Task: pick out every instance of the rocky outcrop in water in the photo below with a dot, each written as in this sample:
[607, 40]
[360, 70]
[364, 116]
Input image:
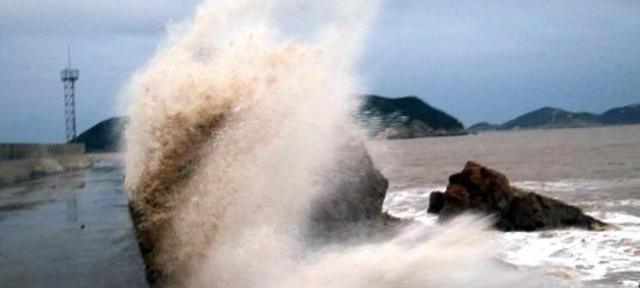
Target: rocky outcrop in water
[354, 199]
[479, 189]
[351, 205]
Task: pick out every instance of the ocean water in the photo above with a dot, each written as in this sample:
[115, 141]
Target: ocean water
[597, 169]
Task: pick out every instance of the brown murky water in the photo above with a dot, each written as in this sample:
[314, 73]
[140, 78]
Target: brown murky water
[605, 153]
[597, 169]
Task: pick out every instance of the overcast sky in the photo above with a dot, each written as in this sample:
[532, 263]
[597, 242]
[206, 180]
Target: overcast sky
[477, 60]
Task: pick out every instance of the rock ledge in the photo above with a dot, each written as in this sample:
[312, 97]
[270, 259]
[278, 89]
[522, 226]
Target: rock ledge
[479, 189]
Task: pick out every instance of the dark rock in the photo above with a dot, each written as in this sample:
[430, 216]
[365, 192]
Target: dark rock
[436, 202]
[480, 189]
[530, 211]
[353, 199]
[356, 191]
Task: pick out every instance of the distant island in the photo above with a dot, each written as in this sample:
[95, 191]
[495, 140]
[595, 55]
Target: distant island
[629, 114]
[405, 117]
[383, 118]
[550, 117]
[105, 136]
[483, 126]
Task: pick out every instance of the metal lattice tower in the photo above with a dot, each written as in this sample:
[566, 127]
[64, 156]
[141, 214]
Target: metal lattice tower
[69, 77]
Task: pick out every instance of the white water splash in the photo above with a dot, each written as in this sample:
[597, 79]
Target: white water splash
[256, 115]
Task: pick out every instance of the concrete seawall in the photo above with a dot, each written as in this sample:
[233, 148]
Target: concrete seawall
[20, 151]
[22, 161]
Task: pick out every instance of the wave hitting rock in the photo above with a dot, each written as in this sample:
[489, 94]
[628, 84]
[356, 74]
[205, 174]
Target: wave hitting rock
[236, 128]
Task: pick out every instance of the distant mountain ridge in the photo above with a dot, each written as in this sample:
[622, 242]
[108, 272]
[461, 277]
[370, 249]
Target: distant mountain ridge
[405, 117]
[483, 126]
[550, 117]
[629, 114]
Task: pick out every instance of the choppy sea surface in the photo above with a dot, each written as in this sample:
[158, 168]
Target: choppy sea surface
[597, 169]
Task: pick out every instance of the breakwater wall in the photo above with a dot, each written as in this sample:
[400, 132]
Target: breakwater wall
[20, 151]
[22, 161]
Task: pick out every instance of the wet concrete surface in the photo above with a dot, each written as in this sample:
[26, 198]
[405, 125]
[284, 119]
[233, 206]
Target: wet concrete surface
[69, 230]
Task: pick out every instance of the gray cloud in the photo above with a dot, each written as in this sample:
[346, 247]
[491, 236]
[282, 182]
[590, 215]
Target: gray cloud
[83, 18]
[479, 60]
[492, 60]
